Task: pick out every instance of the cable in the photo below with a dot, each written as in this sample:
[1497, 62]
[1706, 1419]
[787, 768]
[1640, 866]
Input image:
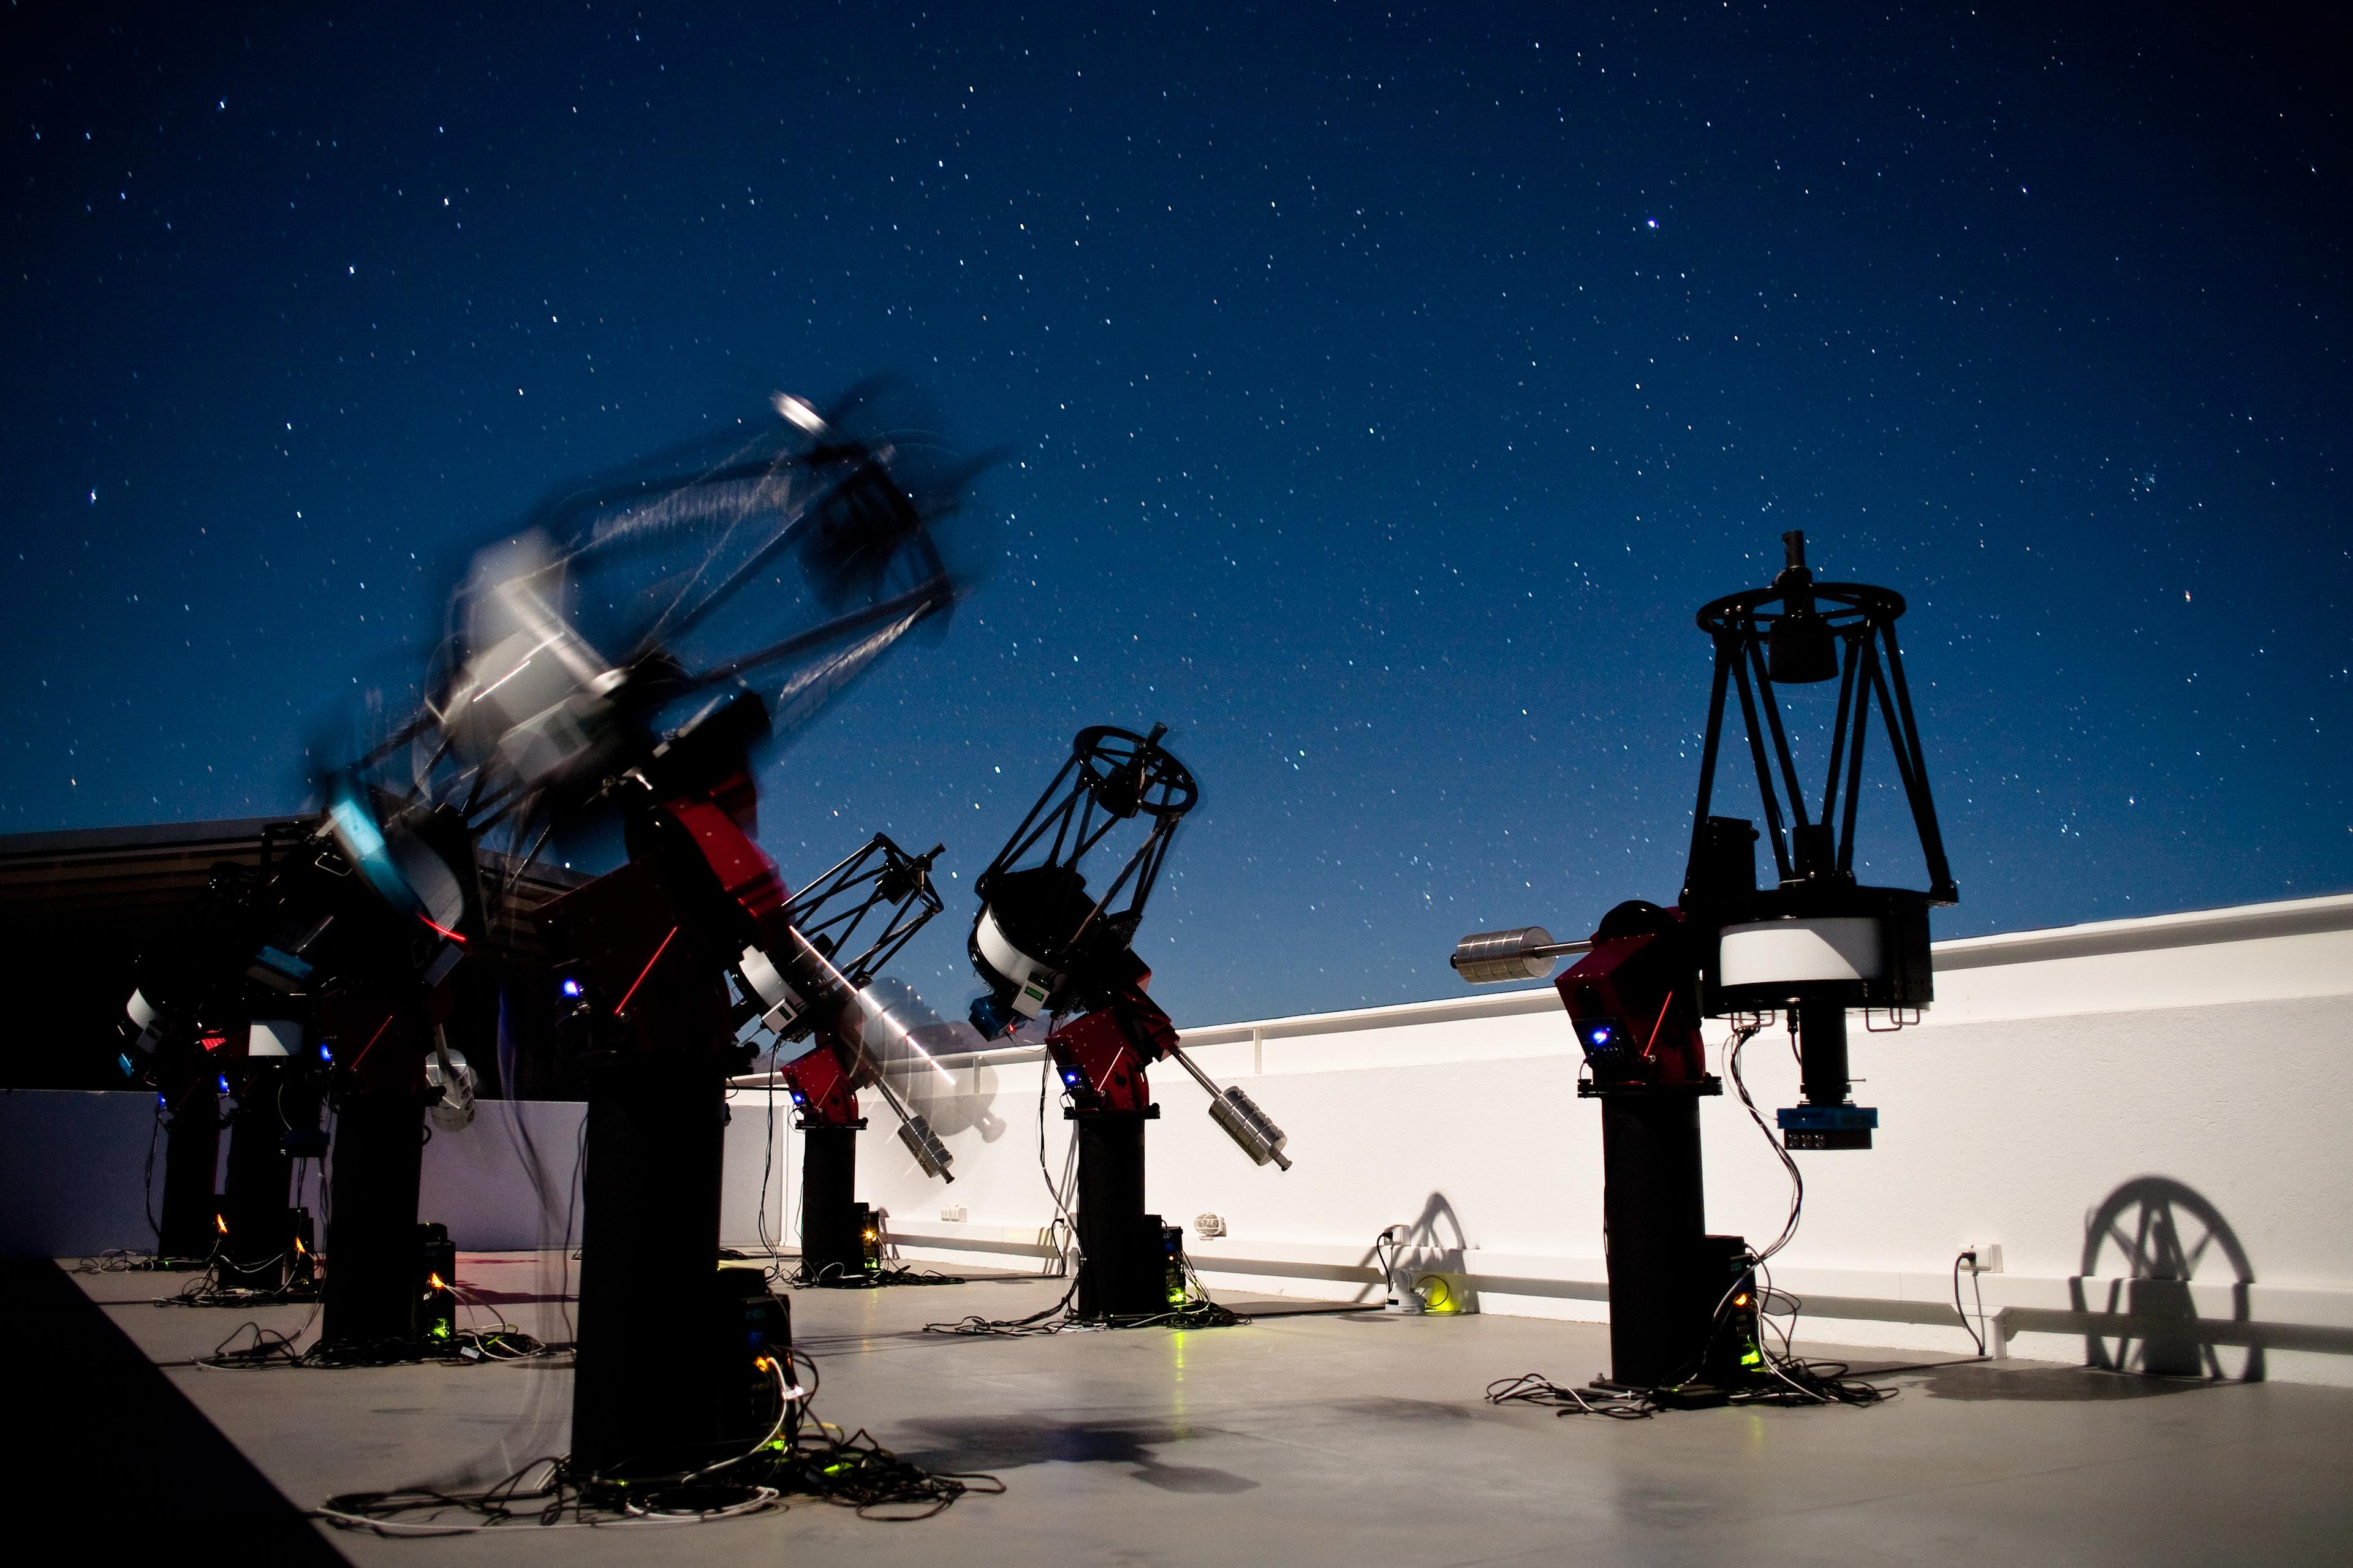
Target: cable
[121, 1260]
[1066, 1247]
[147, 1177]
[1070, 1226]
[496, 1341]
[273, 1348]
[563, 1248]
[1198, 1311]
[1392, 1238]
[767, 1170]
[810, 1457]
[835, 1277]
[1037, 1323]
[299, 1285]
[1740, 1039]
[1975, 1338]
[1534, 1388]
[1788, 1378]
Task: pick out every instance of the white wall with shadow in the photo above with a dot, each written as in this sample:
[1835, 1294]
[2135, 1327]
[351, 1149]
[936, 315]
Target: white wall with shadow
[2145, 1116]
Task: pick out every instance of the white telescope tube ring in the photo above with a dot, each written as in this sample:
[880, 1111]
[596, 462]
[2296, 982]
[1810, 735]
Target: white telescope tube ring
[1836, 948]
[1032, 981]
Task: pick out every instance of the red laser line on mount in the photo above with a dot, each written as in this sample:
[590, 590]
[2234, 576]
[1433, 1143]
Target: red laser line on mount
[649, 969]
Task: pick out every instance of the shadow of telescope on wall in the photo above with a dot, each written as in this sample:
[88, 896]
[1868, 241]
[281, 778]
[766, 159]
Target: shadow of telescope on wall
[2164, 1294]
[2152, 1250]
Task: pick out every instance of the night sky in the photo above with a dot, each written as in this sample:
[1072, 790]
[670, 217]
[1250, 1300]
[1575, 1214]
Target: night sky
[1384, 388]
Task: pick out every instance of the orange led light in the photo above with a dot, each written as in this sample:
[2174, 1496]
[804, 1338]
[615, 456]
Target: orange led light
[220, 1224]
[432, 1282]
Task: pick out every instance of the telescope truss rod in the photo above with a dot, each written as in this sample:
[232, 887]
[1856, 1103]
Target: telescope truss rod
[909, 911]
[926, 597]
[1915, 784]
[755, 561]
[1148, 854]
[1772, 704]
[1732, 650]
[1707, 761]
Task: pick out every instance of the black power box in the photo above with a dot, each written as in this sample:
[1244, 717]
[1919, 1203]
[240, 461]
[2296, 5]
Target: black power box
[436, 1277]
[1727, 1277]
[1172, 1265]
[751, 1342]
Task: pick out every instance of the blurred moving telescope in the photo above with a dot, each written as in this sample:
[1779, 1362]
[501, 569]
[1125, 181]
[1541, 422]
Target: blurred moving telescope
[682, 961]
[596, 665]
[1046, 947]
[634, 605]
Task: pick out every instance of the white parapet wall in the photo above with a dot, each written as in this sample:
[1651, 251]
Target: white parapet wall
[2147, 1118]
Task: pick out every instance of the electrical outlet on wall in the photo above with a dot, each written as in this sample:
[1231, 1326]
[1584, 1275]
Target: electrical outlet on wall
[1982, 1257]
[952, 1212]
[1208, 1225]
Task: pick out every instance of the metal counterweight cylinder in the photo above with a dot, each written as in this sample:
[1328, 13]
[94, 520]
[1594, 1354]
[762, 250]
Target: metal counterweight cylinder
[916, 1133]
[1249, 1126]
[925, 1146]
[1239, 1114]
[1525, 953]
[1487, 957]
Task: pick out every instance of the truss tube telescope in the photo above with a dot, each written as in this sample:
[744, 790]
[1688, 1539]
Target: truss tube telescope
[816, 982]
[1046, 944]
[1816, 942]
[1812, 942]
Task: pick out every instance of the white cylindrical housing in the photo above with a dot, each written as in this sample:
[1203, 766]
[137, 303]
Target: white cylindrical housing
[1827, 948]
[1032, 981]
[766, 981]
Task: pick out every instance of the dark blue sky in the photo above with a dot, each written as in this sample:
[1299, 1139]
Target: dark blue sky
[1386, 386]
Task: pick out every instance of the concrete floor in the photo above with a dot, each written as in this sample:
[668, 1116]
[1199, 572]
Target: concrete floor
[1312, 1439]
